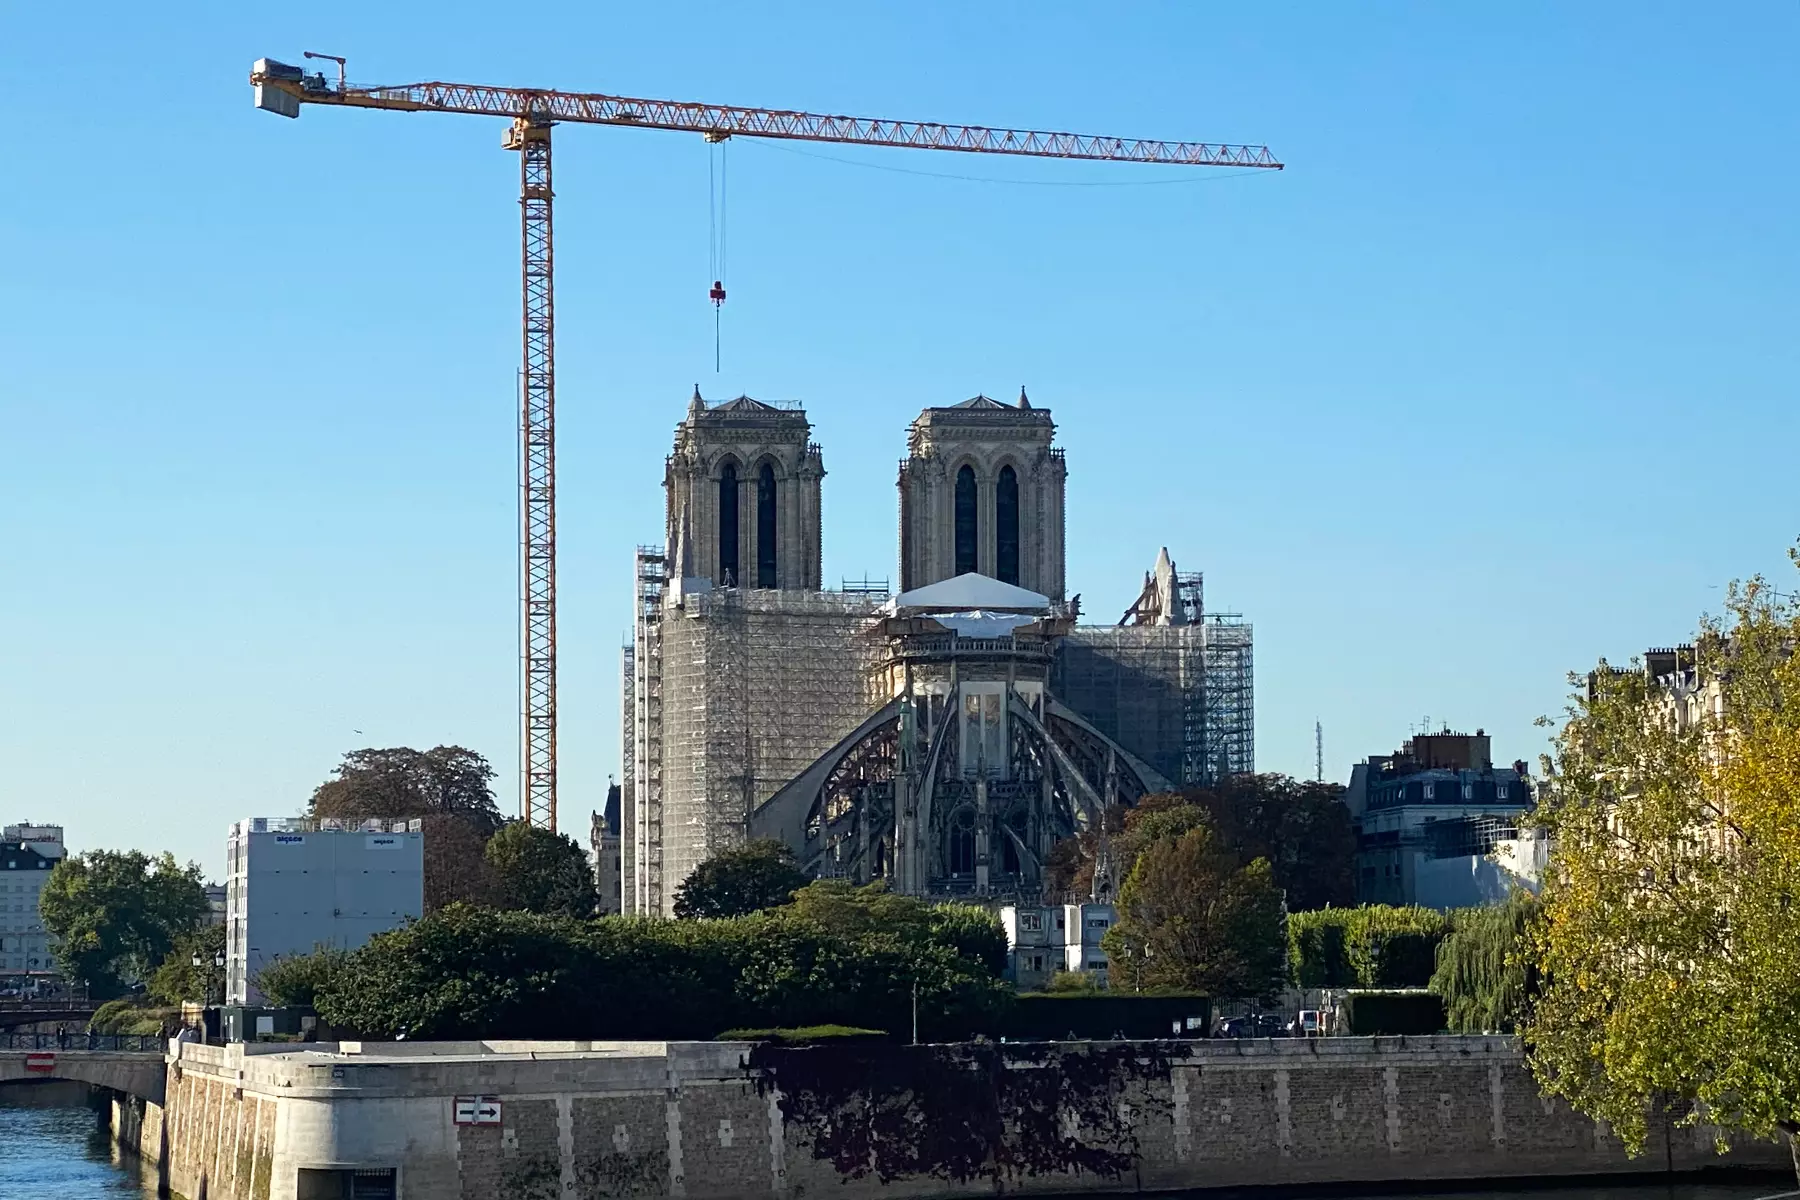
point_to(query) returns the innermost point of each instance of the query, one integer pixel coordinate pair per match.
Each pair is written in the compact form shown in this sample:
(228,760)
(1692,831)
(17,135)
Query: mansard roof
(970,592)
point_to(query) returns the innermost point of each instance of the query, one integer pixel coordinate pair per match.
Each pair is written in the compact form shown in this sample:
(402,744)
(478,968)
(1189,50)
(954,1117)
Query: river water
(61,1153)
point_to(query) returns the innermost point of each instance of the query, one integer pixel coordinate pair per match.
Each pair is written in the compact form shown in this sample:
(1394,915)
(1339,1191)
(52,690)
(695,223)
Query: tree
(1667,944)
(541,872)
(447,787)
(403,782)
(1191,917)
(115,915)
(293,980)
(178,981)
(1301,828)
(760,874)
(843,908)
(1483,973)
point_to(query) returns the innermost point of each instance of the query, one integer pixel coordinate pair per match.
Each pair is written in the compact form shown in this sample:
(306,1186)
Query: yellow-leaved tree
(1668,941)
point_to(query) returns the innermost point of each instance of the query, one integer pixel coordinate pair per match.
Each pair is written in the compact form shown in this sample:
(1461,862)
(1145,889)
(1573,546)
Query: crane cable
(716,168)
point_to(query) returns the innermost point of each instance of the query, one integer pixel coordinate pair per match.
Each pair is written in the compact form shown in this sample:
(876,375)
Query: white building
(27,853)
(1437,824)
(1044,939)
(293,885)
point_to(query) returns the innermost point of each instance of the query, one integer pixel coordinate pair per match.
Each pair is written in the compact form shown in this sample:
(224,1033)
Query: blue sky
(1497,377)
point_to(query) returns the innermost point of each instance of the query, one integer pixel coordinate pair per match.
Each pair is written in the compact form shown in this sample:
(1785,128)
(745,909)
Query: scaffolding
(641,841)
(1172,683)
(1228,746)
(757,684)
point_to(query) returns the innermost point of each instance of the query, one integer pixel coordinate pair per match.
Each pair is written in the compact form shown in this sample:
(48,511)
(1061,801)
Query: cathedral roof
(981,402)
(743,404)
(972,592)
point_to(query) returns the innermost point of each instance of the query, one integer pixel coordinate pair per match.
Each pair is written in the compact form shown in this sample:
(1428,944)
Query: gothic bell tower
(982,490)
(743,486)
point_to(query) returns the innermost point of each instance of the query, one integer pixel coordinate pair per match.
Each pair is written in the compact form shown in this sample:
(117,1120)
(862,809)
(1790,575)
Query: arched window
(765,527)
(1006,527)
(728,526)
(965,521)
(962,846)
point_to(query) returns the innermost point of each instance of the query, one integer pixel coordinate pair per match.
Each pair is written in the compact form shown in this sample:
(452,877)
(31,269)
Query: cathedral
(941,737)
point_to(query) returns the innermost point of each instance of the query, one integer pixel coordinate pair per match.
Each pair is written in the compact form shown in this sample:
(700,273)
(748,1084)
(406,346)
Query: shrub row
(471,973)
(1372,946)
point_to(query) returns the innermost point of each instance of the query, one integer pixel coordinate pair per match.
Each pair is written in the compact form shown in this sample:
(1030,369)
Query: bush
(1065,983)
(1371,946)
(470,973)
(132,1015)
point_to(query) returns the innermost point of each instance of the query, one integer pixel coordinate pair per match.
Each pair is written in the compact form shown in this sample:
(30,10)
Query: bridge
(14,1013)
(122,1062)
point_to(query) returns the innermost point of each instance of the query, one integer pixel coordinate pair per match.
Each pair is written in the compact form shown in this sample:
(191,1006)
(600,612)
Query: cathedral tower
(982,490)
(743,497)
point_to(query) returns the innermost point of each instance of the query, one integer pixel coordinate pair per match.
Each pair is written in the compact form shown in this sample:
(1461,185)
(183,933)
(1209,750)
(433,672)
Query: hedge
(1098,1016)
(1371,1014)
(1371,946)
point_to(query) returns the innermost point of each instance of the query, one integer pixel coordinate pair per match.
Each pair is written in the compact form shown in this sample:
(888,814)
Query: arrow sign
(476,1110)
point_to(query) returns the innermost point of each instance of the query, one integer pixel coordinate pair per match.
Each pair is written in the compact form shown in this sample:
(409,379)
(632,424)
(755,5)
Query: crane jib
(283,89)
(723,120)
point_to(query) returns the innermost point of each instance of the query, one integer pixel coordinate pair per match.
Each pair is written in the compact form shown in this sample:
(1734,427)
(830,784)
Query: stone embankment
(561,1120)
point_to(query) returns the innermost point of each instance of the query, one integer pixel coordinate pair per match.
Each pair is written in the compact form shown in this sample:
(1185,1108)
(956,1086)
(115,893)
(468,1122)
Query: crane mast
(282,89)
(537,475)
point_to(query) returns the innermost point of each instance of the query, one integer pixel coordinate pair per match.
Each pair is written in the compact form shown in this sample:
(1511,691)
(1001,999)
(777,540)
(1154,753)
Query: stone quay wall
(580,1121)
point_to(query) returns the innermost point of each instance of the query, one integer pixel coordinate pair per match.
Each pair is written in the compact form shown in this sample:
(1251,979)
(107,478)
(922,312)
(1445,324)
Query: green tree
(541,871)
(1483,972)
(178,981)
(1668,944)
(448,788)
(293,980)
(846,909)
(760,874)
(1191,917)
(1301,828)
(115,915)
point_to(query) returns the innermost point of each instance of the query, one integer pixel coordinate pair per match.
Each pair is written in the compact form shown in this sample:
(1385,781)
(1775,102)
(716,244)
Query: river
(60,1153)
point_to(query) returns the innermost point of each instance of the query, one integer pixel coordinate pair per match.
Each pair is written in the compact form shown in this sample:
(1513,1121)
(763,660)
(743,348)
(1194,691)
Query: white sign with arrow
(476,1110)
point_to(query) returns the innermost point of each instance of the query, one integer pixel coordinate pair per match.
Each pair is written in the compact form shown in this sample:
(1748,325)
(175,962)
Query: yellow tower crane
(532,112)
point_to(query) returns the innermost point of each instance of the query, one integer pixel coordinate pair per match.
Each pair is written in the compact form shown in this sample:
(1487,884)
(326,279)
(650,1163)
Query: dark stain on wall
(962,1112)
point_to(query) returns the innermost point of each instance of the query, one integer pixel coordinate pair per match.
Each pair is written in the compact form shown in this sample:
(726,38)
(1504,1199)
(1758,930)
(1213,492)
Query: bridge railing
(135,1042)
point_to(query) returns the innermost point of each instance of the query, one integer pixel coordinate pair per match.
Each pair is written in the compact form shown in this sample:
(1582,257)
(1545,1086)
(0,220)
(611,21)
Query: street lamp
(218,965)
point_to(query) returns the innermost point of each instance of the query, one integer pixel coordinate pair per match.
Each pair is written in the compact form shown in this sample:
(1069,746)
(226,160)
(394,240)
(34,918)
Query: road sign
(476,1110)
(44,1063)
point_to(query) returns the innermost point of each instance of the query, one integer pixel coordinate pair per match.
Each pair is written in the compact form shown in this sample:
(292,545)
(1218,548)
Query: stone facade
(988,438)
(590,1120)
(752,703)
(757,463)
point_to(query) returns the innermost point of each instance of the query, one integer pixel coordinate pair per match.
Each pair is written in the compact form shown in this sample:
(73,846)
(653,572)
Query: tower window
(965,520)
(1006,527)
(765,527)
(728,526)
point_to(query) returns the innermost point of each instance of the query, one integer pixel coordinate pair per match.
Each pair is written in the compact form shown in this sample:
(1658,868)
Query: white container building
(296,884)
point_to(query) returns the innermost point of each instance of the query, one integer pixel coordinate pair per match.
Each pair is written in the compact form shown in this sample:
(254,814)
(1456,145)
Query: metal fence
(146,1043)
